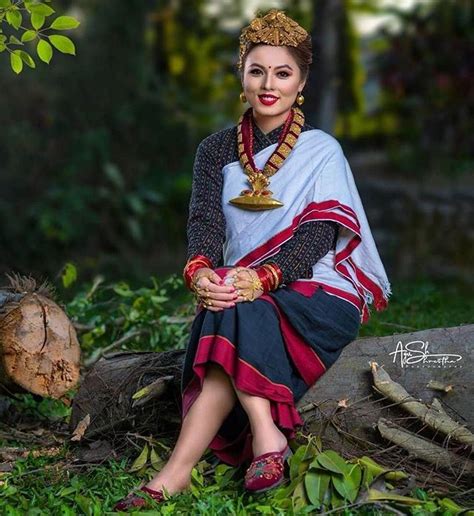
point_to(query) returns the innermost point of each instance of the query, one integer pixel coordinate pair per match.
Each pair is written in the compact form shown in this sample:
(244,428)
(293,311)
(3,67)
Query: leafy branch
(15,13)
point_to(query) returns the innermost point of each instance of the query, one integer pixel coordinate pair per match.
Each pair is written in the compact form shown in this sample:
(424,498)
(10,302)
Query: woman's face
(271,80)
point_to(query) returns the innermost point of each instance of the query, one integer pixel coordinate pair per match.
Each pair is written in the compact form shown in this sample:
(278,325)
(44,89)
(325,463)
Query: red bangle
(270,275)
(192,265)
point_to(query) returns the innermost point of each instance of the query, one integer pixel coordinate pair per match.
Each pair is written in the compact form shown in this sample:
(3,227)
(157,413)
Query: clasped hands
(239,284)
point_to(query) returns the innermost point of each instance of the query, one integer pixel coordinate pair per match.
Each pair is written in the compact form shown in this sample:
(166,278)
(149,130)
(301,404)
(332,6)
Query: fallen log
(107,394)
(39,350)
(343,406)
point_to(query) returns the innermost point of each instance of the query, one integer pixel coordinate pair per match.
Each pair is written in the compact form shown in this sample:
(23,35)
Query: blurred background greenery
(96,151)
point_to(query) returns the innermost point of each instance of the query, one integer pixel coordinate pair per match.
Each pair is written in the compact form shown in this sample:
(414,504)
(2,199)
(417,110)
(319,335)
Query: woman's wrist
(270,276)
(192,266)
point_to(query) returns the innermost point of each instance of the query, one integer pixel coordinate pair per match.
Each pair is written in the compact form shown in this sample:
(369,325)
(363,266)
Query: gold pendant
(259,198)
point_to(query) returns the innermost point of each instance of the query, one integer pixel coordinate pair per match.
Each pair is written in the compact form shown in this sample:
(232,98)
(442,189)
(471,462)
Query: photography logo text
(417,354)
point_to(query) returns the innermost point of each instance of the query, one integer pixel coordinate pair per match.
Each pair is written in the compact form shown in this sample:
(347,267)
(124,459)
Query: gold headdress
(275,28)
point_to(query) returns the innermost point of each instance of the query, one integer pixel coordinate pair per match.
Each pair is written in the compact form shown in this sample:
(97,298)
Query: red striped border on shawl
(325,211)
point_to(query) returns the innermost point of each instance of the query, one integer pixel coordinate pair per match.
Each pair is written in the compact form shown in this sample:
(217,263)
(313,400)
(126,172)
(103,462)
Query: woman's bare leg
(201,424)
(266,435)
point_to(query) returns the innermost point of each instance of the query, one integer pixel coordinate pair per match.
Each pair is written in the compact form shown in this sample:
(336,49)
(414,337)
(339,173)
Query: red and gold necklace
(259,197)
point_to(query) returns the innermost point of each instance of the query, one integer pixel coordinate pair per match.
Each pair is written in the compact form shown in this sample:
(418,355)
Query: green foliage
(44,409)
(147,318)
(214,490)
(12,15)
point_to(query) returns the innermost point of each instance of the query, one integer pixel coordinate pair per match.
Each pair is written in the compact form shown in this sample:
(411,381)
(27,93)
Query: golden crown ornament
(274,28)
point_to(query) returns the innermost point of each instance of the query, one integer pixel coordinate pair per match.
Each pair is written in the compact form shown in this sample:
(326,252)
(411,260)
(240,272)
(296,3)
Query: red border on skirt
(216,348)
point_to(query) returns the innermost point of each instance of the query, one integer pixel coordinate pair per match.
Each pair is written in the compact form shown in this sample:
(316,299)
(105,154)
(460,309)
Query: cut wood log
(433,416)
(424,449)
(39,350)
(342,406)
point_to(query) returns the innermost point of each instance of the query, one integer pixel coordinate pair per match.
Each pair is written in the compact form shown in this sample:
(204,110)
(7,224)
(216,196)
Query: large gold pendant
(259,198)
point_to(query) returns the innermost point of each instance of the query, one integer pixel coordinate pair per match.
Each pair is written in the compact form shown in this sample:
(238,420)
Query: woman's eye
(257,71)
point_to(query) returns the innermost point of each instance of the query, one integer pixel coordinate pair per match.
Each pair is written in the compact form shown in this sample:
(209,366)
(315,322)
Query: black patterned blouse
(206,222)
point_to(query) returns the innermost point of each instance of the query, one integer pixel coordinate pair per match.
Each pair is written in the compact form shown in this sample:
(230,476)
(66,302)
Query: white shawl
(314,183)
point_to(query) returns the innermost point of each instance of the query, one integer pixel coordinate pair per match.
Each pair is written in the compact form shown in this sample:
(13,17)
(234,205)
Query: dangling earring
(299,99)
(243,98)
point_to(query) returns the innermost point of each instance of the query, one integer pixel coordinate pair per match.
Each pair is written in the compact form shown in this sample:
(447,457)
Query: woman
(283,264)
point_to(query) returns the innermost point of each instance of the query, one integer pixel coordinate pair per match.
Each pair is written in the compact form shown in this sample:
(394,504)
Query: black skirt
(275,347)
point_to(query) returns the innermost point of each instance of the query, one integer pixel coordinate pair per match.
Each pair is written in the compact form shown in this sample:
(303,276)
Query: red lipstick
(268,100)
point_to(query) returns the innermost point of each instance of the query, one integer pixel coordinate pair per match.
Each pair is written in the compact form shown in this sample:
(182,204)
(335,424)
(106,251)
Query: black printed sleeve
(206,222)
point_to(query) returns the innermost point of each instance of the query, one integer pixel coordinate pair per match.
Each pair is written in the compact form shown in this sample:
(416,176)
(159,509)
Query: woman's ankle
(269,439)
(173,481)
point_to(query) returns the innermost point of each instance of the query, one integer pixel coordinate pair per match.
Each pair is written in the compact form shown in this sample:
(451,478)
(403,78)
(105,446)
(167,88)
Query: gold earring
(299,99)
(243,98)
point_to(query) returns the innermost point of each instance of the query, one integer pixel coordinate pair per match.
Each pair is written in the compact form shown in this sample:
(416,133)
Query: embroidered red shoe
(267,471)
(135,501)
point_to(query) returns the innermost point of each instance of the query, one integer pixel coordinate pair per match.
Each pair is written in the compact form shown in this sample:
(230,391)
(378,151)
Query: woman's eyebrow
(276,67)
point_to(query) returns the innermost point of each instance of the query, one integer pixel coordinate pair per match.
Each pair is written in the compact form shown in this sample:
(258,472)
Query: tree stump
(39,350)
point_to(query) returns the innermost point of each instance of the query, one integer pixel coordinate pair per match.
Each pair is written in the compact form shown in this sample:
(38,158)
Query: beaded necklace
(260,197)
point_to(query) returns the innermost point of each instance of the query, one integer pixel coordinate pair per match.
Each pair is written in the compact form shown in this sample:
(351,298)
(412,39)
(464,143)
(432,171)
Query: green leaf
(26,58)
(64,23)
(37,21)
(122,289)
(332,461)
(299,497)
(156,461)
(42,9)
(141,460)
(375,496)
(316,483)
(14,18)
(63,44)
(355,476)
(336,500)
(44,50)
(197,477)
(5,4)
(69,273)
(296,462)
(346,486)
(15,41)
(114,175)
(28,35)
(395,475)
(16,63)
(450,505)
(141,392)
(84,503)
